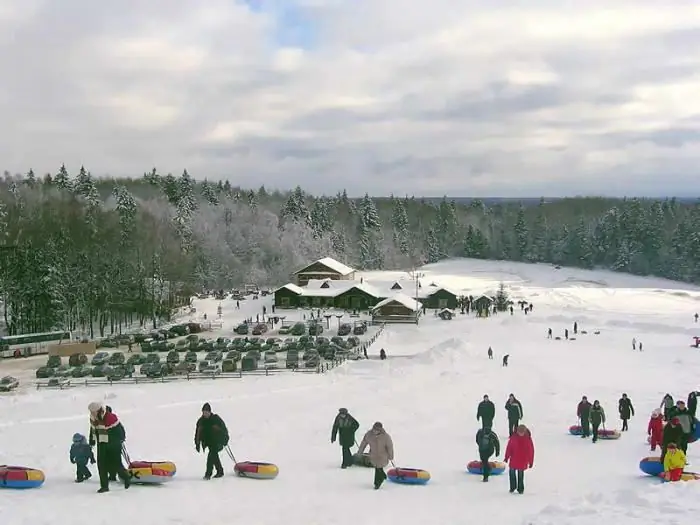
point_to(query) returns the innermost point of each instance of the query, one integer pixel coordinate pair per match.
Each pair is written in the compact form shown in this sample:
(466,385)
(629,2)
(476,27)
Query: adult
(344,428)
(381,451)
(108,434)
(597,419)
(673,433)
(515,413)
(489,445)
(692,403)
(122,433)
(211,433)
(583,412)
(486,412)
(666,406)
(626,410)
(686,421)
(520,455)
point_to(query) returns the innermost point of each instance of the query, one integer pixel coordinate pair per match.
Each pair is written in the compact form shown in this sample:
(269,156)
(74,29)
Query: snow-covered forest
(79,248)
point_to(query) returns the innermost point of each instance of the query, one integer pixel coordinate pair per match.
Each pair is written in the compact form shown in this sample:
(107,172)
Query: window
(285,302)
(442,303)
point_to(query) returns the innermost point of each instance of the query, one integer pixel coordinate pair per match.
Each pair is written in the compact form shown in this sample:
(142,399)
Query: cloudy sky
(456,97)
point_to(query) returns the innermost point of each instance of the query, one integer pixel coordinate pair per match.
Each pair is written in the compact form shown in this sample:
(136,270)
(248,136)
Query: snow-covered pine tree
(369,235)
(295,209)
(399,223)
(540,249)
(152,178)
(320,218)
(62,179)
(126,209)
(502,301)
(209,193)
(522,235)
(252,200)
(30,179)
(170,187)
(432,247)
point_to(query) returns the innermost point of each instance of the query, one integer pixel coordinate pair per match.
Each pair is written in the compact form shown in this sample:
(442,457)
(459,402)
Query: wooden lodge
(397,309)
(326,268)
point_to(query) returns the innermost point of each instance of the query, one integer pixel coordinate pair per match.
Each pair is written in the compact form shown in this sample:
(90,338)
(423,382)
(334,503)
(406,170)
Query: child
(674,461)
(655,430)
(80,454)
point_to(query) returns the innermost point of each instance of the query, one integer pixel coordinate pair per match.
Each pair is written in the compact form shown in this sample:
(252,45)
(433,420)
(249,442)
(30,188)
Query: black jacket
(515,410)
(597,416)
(211,432)
(693,402)
(486,411)
(345,430)
(672,435)
(625,408)
(487,441)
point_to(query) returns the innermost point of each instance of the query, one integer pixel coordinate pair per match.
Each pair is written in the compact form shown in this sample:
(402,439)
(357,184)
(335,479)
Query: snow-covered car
(8,383)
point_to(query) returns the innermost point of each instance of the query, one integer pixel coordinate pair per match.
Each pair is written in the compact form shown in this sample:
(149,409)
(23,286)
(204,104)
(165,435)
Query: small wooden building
(326,268)
(288,296)
(440,298)
(359,297)
(446,314)
(399,308)
(482,305)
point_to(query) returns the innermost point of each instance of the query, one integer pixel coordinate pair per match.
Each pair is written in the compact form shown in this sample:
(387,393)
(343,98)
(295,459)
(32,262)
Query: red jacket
(656,428)
(520,452)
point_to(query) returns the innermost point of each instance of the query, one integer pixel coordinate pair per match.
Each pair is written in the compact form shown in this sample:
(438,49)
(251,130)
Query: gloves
(196,447)
(530,466)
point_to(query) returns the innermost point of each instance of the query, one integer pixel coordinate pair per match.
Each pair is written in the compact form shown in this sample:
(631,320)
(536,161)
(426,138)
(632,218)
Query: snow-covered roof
(332,264)
(379,289)
(404,300)
(292,288)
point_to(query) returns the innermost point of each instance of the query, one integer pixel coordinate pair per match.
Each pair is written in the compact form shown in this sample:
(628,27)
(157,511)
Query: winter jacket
(672,434)
(625,408)
(693,402)
(486,411)
(107,431)
(488,443)
(381,448)
(674,458)
(211,433)
(344,427)
(520,451)
(597,416)
(515,410)
(81,452)
(583,410)
(655,428)
(687,421)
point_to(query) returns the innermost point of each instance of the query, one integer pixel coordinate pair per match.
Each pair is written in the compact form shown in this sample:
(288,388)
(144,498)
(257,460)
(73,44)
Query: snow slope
(425,394)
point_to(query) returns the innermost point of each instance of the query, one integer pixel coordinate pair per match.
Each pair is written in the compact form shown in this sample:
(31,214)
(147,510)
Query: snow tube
(575,430)
(152,472)
(696,433)
(651,466)
(409,476)
(361,460)
(497,467)
(20,477)
(686,476)
(256,470)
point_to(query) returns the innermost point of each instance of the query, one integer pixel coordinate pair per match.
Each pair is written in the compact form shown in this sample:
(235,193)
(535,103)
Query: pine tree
(521,235)
(209,193)
(252,200)
(502,299)
(126,209)
(399,223)
(62,179)
(434,253)
(369,234)
(30,179)
(320,218)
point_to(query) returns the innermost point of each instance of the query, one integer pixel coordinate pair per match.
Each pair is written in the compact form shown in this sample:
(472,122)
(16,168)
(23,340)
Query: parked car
(298,329)
(214,356)
(311,359)
(99,359)
(77,360)
(249,364)
(185,367)
(136,359)
(117,358)
(292,361)
(285,330)
(345,329)
(153,358)
(100,371)
(81,371)
(360,329)
(63,371)
(253,354)
(191,357)
(58,382)
(182,345)
(157,370)
(270,357)
(353,341)
(241,329)
(228,365)
(203,365)
(173,357)
(8,383)
(260,329)
(116,373)
(233,355)
(53,361)
(45,372)
(315,329)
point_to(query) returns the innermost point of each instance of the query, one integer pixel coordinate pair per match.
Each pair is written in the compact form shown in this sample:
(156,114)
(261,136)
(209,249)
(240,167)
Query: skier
(693,402)
(344,428)
(667,405)
(583,412)
(381,451)
(655,429)
(490,353)
(486,412)
(597,418)
(520,455)
(487,441)
(106,433)
(515,413)
(211,433)
(626,410)
(505,359)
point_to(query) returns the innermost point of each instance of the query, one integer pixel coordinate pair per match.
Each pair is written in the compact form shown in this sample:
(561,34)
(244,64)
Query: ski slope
(425,394)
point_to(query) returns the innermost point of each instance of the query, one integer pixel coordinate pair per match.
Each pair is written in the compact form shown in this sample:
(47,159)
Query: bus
(31,344)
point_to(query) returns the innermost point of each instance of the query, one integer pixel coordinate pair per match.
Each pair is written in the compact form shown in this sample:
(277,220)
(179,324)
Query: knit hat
(377,426)
(671,446)
(206,407)
(676,421)
(78,438)
(656,412)
(95,407)
(342,411)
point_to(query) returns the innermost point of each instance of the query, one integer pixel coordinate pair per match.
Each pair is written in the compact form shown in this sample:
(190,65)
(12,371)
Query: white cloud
(450,96)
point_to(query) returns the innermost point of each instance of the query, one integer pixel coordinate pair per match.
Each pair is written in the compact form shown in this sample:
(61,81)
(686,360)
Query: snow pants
(585,427)
(109,461)
(347,457)
(674,474)
(213,462)
(596,427)
(379,477)
(484,457)
(517,480)
(512,426)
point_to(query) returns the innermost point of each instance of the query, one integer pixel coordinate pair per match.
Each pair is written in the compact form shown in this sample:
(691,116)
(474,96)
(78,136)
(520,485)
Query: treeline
(83,253)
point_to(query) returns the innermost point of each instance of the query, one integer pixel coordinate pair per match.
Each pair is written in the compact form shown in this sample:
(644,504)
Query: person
(108,434)
(667,405)
(490,353)
(583,412)
(382,354)
(674,463)
(489,445)
(634,343)
(626,410)
(673,433)
(515,413)
(381,451)
(80,455)
(122,433)
(597,418)
(505,360)
(344,428)
(655,429)
(211,433)
(692,403)
(686,421)
(486,412)
(520,455)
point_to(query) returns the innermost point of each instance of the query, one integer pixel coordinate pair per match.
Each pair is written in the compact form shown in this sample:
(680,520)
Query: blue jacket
(81,452)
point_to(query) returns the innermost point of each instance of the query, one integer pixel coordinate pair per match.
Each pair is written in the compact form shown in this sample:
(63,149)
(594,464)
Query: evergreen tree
(62,179)
(521,235)
(399,223)
(209,193)
(502,302)
(369,235)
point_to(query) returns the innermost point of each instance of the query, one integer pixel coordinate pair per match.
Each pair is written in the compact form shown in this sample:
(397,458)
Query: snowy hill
(425,394)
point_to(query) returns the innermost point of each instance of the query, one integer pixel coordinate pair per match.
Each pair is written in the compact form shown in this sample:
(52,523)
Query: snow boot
(219,475)
(102,490)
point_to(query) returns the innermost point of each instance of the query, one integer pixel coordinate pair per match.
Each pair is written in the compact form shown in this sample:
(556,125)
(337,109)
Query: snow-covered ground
(426,395)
